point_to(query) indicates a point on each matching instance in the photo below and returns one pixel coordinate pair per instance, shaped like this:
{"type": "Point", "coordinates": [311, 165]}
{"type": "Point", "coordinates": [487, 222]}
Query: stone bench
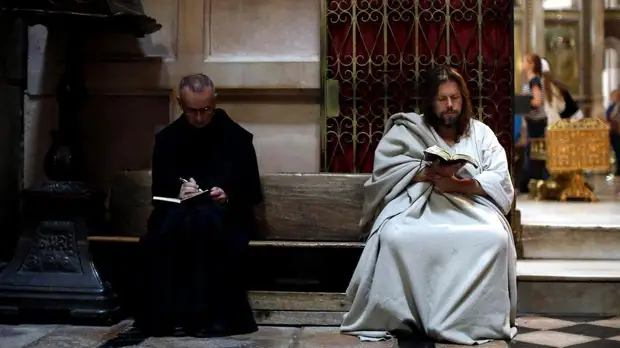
{"type": "Point", "coordinates": [299, 211]}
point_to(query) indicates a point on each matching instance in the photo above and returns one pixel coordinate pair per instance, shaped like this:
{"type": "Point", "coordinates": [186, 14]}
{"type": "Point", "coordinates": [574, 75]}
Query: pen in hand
{"type": "Point", "coordinates": [187, 182]}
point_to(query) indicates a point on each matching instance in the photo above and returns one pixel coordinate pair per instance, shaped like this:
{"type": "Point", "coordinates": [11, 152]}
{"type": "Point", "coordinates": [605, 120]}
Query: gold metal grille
{"type": "Point", "coordinates": [374, 55]}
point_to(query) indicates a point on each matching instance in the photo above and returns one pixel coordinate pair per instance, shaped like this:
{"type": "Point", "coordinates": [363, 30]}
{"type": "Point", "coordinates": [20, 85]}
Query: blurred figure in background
{"type": "Point", "coordinates": [559, 103]}
{"type": "Point", "coordinates": [520, 139]}
{"type": "Point", "coordinates": [535, 122]}
{"type": "Point", "coordinates": [612, 115]}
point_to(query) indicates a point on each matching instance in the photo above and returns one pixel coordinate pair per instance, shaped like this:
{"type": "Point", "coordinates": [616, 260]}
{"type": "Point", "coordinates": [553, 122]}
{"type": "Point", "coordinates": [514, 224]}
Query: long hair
{"type": "Point", "coordinates": [434, 80]}
{"type": "Point", "coordinates": [552, 86]}
{"type": "Point", "coordinates": [549, 82]}
{"type": "Point", "coordinates": [536, 63]}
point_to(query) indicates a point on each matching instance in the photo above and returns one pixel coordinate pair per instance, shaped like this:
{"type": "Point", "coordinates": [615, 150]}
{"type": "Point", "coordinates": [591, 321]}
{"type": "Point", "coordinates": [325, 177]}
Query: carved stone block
{"type": "Point", "coordinates": [52, 269]}
{"type": "Point", "coordinates": [130, 203]}
{"type": "Point", "coordinates": [54, 249]}
{"type": "Point", "coordinates": [319, 207]}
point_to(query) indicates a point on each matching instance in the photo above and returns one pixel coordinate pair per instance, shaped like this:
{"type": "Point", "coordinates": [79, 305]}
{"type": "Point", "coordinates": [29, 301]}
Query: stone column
{"type": "Point", "coordinates": [535, 26]}
{"type": "Point", "coordinates": [12, 76]}
{"type": "Point", "coordinates": [593, 54]}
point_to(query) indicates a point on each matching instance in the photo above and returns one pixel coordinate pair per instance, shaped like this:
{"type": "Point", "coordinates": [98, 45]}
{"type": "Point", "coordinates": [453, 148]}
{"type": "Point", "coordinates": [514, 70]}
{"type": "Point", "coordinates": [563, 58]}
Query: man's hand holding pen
{"type": "Point", "coordinates": [190, 188]}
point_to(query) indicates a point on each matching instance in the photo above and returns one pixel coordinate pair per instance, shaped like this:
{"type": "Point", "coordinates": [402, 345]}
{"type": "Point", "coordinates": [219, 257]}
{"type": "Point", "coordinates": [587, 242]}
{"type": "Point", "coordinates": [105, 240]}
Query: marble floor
{"type": "Point", "coordinates": [604, 213]}
{"type": "Point", "coordinates": [534, 332]}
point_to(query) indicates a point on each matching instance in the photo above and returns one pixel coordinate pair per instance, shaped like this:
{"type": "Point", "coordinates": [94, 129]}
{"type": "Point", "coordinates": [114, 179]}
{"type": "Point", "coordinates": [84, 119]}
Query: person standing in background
{"type": "Point", "coordinates": [520, 143]}
{"type": "Point", "coordinates": [535, 122]}
{"type": "Point", "coordinates": [559, 103]}
{"type": "Point", "coordinates": [612, 114]}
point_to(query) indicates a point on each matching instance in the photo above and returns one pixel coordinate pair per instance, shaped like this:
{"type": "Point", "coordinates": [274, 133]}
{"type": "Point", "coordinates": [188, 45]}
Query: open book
{"type": "Point", "coordinates": [193, 199]}
{"type": "Point", "coordinates": [436, 154]}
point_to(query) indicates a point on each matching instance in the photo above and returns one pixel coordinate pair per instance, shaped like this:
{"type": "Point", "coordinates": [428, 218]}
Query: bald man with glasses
{"type": "Point", "coordinates": [192, 256]}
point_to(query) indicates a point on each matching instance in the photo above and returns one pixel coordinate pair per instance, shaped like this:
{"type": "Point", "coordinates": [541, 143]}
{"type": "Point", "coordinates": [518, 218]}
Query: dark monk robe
{"type": "Point", "coordinates": [193, 272]}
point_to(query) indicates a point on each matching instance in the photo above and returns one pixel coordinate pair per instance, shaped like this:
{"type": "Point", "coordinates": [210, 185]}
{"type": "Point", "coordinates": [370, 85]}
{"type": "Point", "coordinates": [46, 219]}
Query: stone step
{"type": "Point", "coordinates": [566, 242]}
{"type": "Point", "coordinates": [583, 287]}
{"type": "Point", "coordinates": [567, 287]}
{"type": "Point", "coordinates": [569, 270]}
{"type": "Point", "coordinates": [572, 230]}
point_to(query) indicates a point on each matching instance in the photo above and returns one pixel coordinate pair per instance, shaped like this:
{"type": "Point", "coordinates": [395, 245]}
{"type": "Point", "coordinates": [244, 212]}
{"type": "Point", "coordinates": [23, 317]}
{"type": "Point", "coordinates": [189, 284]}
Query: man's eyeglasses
{"type": "Point", "coordinates": [201, 111]}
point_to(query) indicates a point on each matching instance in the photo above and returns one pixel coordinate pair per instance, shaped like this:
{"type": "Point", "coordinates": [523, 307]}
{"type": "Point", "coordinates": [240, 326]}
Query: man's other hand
{"type": "Point", "coordinates": [218, 195]}
{"type": "Point", "coordinates": [436, 171]}
{"type": "Point", "coordinates": [189, 189]}
{"type": "Point", "coordinates": [447, 184]}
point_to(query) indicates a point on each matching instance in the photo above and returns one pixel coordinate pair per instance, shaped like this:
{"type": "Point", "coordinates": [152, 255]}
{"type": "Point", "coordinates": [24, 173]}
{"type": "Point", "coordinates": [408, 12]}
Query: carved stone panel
{"type": "Point", "coordinates": [252, 30]}
{"type": "Point", "coordinates": [55, 249]}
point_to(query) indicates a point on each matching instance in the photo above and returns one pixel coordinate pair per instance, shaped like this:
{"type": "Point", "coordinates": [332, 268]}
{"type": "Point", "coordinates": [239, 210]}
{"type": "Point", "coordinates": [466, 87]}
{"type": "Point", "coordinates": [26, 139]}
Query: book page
{"type": "Point", "coordinates": [177, 200]}
{"type": "Point", "coordinates": [166, 199]}
{"type": "Point", "coordinates": [437, 151]}
{"type": "Point", "coordinates": [196, 195]}
{"type": "Point", "coordinates": [464, 157]}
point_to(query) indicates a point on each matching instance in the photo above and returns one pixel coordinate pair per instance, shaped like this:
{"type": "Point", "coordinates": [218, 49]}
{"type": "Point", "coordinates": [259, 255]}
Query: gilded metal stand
{"type": "Point", "coordinates": [562, 187]}
{"type": "Point", "coordinates": [577, 188]}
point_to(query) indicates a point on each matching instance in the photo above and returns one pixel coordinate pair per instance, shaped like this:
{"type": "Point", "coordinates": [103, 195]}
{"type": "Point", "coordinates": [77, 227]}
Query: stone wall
{"type": "Point", "coordinates": [262, 54]}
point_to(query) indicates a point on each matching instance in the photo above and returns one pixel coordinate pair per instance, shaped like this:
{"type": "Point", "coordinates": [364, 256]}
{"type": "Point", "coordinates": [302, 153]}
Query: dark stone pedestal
{"type": "Point", "coordinates": [52, 270]}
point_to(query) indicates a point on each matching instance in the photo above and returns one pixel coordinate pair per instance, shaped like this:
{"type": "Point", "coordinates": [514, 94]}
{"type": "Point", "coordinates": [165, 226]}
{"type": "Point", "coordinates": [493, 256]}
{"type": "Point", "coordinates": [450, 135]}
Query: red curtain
{"type": "Point", "coordinates": [378, 49]}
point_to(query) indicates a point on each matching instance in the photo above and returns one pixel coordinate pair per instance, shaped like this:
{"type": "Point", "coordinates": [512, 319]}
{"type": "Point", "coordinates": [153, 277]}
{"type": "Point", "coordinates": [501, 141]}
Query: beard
{"type": "Point", "coordinates": [449, 118]}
